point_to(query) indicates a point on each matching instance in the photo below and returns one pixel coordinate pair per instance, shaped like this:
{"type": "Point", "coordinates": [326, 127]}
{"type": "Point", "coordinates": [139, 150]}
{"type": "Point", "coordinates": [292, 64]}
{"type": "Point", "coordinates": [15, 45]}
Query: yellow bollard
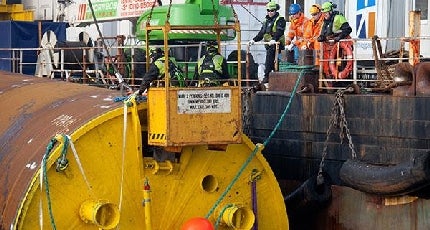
{"type": "Point", "coordinates": [101, 213]}
{"type": "Point", "coordinates": [238, 217]}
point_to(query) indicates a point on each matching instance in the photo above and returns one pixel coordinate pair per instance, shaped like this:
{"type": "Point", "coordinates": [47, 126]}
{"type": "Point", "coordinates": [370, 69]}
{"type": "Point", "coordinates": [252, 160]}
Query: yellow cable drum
{"type": "Point", "coordinates": [73, 158]}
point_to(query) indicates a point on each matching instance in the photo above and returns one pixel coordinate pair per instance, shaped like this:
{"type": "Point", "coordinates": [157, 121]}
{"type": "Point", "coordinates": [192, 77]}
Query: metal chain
{"type": "Point", "coordinates": [337, 119]}
{"type": "Point", "coordinates": [234, 11]}
{"type": "Point", "coordinates": [246, 111]}
{"type": "Point", "coordinates": [148, 20]}
{"type": "Point", "coordinates": [168, 11]}
{"type": "Point", "coordinates": [332, 123]}
{"type": "Point", "coordinates": [344, 124]}
{"type": "Point", "coordinates": [215, 13]}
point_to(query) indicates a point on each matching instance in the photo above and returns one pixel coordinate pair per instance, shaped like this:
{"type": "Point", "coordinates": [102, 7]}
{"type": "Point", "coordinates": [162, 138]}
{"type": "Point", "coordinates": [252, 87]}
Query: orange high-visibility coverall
{"type": "Point", "coordinates": [311, 33]}
{"type": "Point", "coordinates": [310, 36]}
{"type": "Point", "coordinates": [297, 28]}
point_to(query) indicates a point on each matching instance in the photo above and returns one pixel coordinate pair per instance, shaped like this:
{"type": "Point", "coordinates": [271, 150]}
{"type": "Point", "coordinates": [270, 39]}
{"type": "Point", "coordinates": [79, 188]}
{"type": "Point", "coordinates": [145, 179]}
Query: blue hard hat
{"type": "Point", "coordinates": [294, 9]}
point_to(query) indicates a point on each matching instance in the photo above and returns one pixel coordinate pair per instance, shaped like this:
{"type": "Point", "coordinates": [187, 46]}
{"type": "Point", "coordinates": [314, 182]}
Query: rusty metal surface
{"type": "Point", "coordinates": [417, 78]}
{"type": "Point", "coordinates": [32, 111]}
{"type": "Point", "coordinates": [285, 81]}
{"type": "Point", "coordinates": [350, 209]}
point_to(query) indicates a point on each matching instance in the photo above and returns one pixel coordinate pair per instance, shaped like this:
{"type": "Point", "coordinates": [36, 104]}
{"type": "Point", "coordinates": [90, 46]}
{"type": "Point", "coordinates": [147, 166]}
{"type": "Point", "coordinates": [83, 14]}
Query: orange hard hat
{"type": "Point", "coordinates": [315, 8]}
{"type": "Point", "coordinates": [197, 223]}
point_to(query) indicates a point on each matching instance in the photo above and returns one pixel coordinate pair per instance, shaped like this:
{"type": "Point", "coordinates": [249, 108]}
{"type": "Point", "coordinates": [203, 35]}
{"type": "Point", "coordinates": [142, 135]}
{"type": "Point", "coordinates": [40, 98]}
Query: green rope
{"type": "Point", "coordinates": [45, 179]}
{"type": "Point", "coordinates": [254, 152]}
{"type": "Point", "coordinates": [49, 148]}
{"type": "Point", "coordinates": [220, 215]}
{"type": "Point", "coordinates": [302, 72]}
{"type": "Point", "coordinates": [242, 168]}
{"type": "Point", "coordinates": [62, 161]}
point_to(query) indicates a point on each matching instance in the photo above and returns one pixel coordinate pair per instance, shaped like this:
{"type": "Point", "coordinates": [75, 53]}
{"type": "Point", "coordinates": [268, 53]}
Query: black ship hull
{"type": "Point", "coordinates": [382, 131]}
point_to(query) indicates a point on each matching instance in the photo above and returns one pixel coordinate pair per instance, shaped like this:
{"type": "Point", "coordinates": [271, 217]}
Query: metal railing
{"type": "Point", "coordinates": [93, 72]}
{"type": "Point", "coordinates": [371, 76]}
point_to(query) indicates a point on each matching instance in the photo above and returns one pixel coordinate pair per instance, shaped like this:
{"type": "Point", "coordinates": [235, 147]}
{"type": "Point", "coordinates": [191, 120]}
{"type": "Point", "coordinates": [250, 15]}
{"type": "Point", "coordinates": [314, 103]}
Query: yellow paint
{"type": "Point", "coordinates": [238, 217]}
{"type": "Point", "coordinates": [99, 147]}
{"type": "Point", "coordinates": [372, 24]}
{"type": "Point", "coordinates": [147, 204]}
{"type": "Point", "coordinates": [15, 12]}
{"type": "Point", "coordinates": [185, 185]}
{"type": "Point", "coordinates": [391, 201]}
{"type": "Point", "coordinates": [103, 214]}
{"type": "Point", "coordinates": [170, 127]}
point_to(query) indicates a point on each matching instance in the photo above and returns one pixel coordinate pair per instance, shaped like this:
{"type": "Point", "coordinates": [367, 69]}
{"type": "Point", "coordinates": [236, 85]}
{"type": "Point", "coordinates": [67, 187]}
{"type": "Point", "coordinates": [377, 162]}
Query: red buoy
{"type": "Point", "coordinates": [197, 223]}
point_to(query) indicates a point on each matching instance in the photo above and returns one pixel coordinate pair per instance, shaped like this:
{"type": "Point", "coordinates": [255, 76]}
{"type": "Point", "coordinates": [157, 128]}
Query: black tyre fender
{"type": "Point", "coordinates": [310, 195]}
{"type": "Point", "coordinates": [390, 180]}
{"type": "Point", "coordinates": [319, 193]}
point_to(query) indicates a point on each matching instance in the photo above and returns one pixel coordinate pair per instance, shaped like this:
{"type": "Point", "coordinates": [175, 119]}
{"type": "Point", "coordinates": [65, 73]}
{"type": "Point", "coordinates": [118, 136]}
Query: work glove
{"type": "Point", "coordinates": [141, 92]}
{"type": "Point", "coordinates": [321, 38]}
{"type": "Point", "coordinates": [251, 42]}
{"type": "Point", "coordinates": [336, 39]}
{"type": "Point", "coordinates": [272, 42]}
{"type": "Point", "coordinates": [290, 47]}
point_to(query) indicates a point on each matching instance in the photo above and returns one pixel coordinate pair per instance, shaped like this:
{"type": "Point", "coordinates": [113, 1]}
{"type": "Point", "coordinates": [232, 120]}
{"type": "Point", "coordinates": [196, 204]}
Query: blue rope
{"type": "Point", "coordinates": [139, 98]}
{"type": "Point", "coordinates": [119, 99]}
{"type": "Point", "coordinates": [254, 152]}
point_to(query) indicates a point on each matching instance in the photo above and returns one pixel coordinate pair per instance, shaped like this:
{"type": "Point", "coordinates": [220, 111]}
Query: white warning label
{"type": "Point", "coordinates": [204, 101]}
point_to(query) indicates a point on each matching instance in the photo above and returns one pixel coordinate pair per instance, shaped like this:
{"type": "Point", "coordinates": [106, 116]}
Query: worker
{"type": "Point", "coordinates": [211, 69]}
{"type": "Point", "coordinates": [272, 31]}
{"type": "Point", "coordinates": [335, 25]}
{"type": "Point", "coordinates": [312, 31]}
{"type": "Point", "coordinates": [297, 27]}
{"type": "Point", "coordinates": [334, 28]}
{"type": "Point", "coordinates": [109, 69]}
{"type": "Point", "coordinates": [157, 71]}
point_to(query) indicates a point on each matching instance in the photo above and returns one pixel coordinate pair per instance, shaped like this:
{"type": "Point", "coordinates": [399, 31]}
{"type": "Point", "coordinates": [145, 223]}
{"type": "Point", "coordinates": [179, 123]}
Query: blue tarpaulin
{"type": "Point", "coordinates": [16, 34]}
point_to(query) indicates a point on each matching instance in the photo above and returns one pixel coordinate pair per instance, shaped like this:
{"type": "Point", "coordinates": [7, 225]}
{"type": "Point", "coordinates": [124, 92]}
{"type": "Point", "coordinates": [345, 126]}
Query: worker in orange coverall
{"type": "Point", "coordinates": [312, 31]}
{"type": "Point", "coordinates": [294, 37]}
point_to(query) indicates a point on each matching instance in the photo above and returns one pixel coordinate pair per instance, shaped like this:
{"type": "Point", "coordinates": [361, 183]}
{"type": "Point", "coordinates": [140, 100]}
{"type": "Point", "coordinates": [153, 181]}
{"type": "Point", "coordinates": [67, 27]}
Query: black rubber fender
{"type": "Point", "coordinates": [318, 193]}
{"type": "Point", "coordinates": [310, 195]}
{"type": "Point", "coordinates": [389, 180]}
